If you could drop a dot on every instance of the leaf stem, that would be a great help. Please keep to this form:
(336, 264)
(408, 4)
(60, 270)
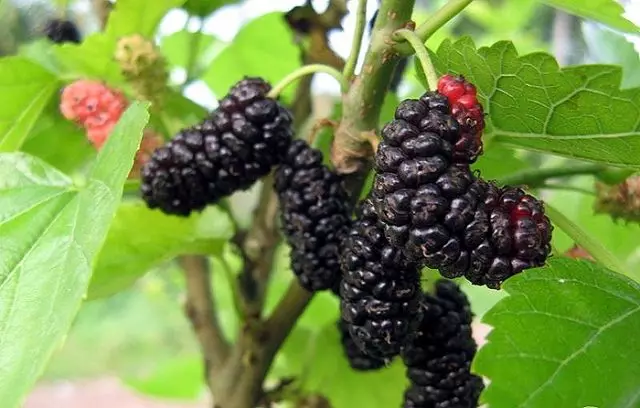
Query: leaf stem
(537, 177)
(441, 17)
(307, 70)
(585, 240)
(421, 53)
(361, 15)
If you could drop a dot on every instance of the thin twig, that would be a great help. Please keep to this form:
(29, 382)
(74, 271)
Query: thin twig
(422, 54)
(361, 16)
(536, 177)
(199, 310)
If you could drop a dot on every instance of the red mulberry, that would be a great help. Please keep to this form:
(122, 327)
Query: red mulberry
(315, 215)
(466, 109)
(239, 143)
(380, 289)
(439, 358)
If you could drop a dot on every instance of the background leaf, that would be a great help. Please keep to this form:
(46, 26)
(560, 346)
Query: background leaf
(140, 238)
(203, 8)
(263, 47)
(577, 111)
(560, 336)
(605, 11)
(29, 88)
(52, 231)
(179, 378)
(138, 16)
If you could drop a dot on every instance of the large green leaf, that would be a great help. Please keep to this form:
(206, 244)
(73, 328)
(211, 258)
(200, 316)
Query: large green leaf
(51, 233)
(59, 142)
(264, 47)
(531, 103)
(605, 11)
(562, 339)
(138, 16)
(26, 88)
(140, 238)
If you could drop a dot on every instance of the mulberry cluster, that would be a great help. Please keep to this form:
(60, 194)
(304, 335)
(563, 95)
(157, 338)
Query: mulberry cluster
(380, 288)
(62, 31)
(237, 144)
(315, 215)
(439, 358)
(468, 112)
(93, 105)
(358, 359)
(432, 206)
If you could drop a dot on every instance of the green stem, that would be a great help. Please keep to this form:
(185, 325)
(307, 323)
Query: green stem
(307, 70)
(194, 45)
(537, 177)
(361, 15)
(585, 240)
(421, 53)
(436, 21)
(566, 188)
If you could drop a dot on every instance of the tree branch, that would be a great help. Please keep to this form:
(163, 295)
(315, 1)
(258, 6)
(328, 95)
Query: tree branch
(199, 310)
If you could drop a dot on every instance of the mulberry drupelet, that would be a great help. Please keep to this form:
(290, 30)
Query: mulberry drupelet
(236, 145)
(468, 112)
(380, 288)
(358, 359)
(439, 358)
(315, 215)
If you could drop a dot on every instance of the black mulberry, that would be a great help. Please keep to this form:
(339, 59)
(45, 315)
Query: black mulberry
(509, 233)
(380, 288)
(315, 215)
(358, 359)
(439, 358)
(62, 31)
(236, 145)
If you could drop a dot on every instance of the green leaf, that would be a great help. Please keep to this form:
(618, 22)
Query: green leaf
(203, 8)
(499, 161)
(138, 16)
(609, 47)
(318, 359)
(59, 142)
(561, 339)
(177, 47)
(608, 12)
(264, 47)
(26, 89)
(576, 111)
(140, 238)
(93, 58)
(179, 378)
(51, 233)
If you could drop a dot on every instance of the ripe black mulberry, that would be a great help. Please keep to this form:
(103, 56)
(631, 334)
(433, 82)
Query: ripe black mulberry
(62, 31)
(315, 215)
(380, 288)
(439, 358)
(358, 359)
(236, 145)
